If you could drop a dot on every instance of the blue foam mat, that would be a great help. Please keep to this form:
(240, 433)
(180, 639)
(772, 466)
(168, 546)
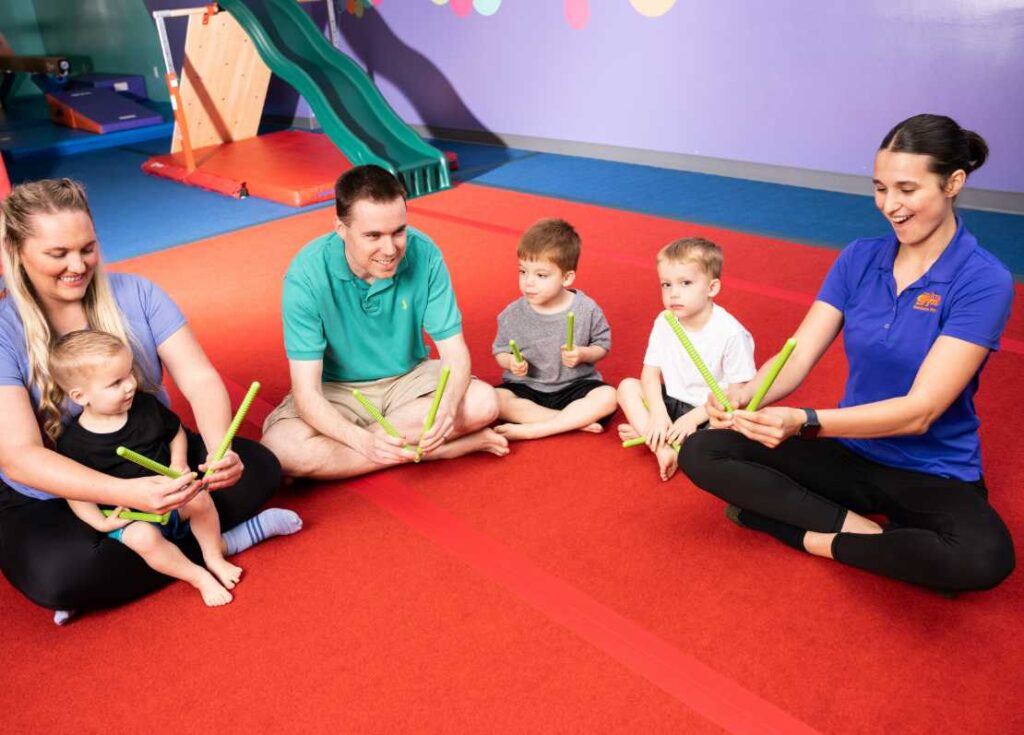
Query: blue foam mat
(793, 213)
(136, 213)
(27, 132)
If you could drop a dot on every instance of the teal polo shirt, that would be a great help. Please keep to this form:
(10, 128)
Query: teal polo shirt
(365, 331)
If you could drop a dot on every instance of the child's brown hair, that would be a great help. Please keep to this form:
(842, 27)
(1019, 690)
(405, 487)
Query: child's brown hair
(553, 239)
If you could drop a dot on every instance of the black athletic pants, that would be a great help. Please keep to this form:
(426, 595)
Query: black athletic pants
(59, 562)
(943, 534)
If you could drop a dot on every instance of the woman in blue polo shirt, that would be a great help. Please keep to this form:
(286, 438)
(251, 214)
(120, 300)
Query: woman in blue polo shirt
(920, 310)
(55, 283)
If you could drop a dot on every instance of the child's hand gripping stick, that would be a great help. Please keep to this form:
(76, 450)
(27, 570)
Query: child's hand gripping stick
(236, 422)
(697, 361)
(777, 366)
(515, 350)
(432, 414)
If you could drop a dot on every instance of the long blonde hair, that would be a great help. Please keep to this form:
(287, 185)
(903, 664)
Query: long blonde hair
(49, 196)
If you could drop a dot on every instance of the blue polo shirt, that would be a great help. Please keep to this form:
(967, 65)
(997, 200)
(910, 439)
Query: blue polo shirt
(364, 331)
(966, 294)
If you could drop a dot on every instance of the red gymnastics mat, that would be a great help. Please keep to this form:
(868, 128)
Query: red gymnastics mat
(562, 589)
(293, 167)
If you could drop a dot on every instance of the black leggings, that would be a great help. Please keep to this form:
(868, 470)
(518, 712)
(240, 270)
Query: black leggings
(59, 562)
(943, 535)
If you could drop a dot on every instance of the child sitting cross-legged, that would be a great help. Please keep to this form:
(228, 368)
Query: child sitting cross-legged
(555, 387)
(666, 414)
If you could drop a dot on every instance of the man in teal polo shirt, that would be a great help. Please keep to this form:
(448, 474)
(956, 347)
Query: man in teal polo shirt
(355, 306)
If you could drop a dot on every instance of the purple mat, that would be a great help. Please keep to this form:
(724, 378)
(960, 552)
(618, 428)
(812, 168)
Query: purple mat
(99, 110)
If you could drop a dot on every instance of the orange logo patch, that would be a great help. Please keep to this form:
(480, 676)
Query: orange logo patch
(928, 302)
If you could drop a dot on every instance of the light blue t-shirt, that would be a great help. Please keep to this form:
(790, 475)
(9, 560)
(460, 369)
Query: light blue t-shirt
(151, 316)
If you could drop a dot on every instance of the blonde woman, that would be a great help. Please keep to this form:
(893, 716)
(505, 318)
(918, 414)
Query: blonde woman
(55, 284)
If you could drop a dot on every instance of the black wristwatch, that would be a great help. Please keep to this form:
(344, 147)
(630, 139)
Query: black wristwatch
(811, 426)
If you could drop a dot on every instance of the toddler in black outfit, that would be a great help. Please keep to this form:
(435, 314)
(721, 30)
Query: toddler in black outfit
(95, 370)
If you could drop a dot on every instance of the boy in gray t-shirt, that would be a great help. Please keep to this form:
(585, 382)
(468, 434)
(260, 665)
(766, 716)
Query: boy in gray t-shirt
(553, 388)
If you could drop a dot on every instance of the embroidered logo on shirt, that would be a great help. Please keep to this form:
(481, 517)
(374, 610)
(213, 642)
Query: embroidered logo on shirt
(928, 302)
(405, 306)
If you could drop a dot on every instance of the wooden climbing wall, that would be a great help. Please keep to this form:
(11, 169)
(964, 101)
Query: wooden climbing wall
(223, 82)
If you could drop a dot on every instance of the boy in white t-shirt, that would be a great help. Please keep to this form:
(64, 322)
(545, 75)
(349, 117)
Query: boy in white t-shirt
(689, 271)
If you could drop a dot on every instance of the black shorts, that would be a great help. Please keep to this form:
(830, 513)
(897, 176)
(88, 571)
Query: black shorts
(677, 408)
(556, 399)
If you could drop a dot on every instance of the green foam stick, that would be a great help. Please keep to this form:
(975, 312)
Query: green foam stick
(377, 416)
(432, 413)
(640, 441)
(777, 366)
(134, 515)
(570, 321)
(698, 363)
(126, 453)
(225, 443)
(515, 350)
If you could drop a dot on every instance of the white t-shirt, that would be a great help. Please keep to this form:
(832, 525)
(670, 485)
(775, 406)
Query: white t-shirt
(725, 346)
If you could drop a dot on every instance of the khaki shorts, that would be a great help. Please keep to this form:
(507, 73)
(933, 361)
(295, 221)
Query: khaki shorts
(386, 394)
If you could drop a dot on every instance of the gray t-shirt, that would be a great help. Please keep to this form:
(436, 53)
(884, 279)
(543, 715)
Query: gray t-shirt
(540, 338)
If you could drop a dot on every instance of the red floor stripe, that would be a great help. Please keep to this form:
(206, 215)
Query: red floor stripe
(694, 684)
(691, 682)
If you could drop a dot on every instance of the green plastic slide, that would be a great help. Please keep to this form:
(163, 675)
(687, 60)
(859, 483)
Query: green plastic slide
(348, 106)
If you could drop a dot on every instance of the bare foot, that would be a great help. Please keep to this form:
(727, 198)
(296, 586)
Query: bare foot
(515, 432)
(485, 440)
(668, 462)
(627, 432)
(225, 571)
(594, 428)
(214, 595)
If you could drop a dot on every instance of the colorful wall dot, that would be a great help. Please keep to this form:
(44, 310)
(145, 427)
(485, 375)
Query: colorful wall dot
(652, 8)
(462, 8)
(486, 7)
(577, 13)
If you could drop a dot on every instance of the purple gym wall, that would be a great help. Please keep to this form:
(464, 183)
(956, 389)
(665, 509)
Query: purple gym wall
(811, 85)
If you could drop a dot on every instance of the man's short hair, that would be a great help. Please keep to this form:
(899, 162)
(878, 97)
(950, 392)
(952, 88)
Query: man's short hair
(553, 239)
(369, 182)
(694, 250)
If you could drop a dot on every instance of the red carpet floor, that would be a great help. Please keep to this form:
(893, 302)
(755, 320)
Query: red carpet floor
(562, 589)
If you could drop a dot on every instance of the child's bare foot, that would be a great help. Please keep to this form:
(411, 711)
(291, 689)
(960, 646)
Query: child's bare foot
(515, 432)
(485, 440)
(594, 428)
(668, 462)
(627, 432)
(214, 595)
(225, 571)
